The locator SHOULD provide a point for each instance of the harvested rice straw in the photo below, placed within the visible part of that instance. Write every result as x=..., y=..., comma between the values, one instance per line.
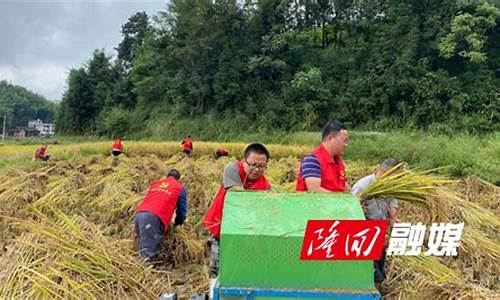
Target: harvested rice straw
x=66, y=257
x=406, y=185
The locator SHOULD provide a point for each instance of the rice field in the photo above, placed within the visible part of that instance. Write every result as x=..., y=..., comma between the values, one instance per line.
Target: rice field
x=66, y=227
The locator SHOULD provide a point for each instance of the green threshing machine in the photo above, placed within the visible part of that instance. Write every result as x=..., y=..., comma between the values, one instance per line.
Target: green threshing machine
x=261, y=242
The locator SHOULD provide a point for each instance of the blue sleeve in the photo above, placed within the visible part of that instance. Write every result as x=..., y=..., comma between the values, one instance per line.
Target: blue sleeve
x=181, y=208
x=310, y=167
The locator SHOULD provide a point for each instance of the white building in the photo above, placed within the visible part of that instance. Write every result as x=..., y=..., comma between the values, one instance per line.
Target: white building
x=45, y=129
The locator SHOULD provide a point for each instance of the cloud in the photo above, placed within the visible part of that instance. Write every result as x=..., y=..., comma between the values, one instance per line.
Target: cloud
x=45, y=78
x=42, y=40
x=7, y=73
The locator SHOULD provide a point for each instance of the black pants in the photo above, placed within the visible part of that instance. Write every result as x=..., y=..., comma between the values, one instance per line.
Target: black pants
x=116, y=153
x=379, y=268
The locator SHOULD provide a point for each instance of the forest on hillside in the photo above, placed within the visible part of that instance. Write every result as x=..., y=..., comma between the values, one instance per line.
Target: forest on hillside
x=293, y=65
x=21, y=105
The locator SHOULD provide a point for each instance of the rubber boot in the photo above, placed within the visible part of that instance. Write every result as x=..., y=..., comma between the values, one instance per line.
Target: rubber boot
x=211, y=286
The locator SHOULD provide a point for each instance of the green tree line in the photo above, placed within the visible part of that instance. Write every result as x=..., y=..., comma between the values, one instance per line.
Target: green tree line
x=293, y=65
x=20, y=106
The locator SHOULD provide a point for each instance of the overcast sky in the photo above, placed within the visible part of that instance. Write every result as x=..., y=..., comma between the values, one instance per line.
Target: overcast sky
x=41, y=40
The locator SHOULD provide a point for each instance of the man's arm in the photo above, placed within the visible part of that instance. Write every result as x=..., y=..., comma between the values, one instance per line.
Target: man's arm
x=357, y=189
x=311, y=174
x=393, y=216
x=181, y=211
x=235, y=188
x=393, y=211
x=313, y=184
x=362, y=184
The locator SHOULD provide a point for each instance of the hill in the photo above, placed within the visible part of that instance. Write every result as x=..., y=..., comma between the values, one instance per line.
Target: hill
x=22, y=105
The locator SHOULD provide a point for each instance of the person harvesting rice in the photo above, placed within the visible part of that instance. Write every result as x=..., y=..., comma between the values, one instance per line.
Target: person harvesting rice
x=240, y=175
x=153, y=215
x=117, y=147
x=40, y=153
x=379, y=208
x=187, y=146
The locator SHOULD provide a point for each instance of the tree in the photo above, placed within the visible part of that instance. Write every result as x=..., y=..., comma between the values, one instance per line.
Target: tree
x=21, y=106
x=467, y=37
x=134, y=32
x=77, y=110
x=294, y=64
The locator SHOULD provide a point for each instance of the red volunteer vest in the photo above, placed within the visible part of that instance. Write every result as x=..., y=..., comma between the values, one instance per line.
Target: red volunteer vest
x=117, y=145
x=161, y=199
x=222, y=151
x=39, y=153
x=188, y=145
x=332, y=174
x=213, y=217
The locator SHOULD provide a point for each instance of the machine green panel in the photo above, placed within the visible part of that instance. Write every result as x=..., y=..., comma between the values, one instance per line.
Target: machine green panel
x=261, y=240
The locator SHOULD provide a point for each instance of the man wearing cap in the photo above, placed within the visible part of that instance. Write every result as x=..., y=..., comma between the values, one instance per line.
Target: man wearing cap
x=240, y=175
x=323, y=170
x=153, y=215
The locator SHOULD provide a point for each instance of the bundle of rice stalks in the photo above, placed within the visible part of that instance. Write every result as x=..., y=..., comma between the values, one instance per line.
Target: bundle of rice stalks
x=192, y=245
x=181, y=248
x=478, y=258
x=110, y=193
x=479, y=191
x=426, y=276
x=472, y=213
x=62, y=192
x=473, y=273
x=406, y=185
x=17, y=190
x=21, y=188
x=70, y=258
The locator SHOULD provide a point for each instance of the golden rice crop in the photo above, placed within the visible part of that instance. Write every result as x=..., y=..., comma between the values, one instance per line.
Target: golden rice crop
x=417, y=277
x=66, y=208
x=160, y=149
x=406, y=185
x=70, y=258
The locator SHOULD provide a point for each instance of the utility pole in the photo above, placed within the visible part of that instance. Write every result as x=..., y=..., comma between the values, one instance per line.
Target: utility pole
x=3, y=130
